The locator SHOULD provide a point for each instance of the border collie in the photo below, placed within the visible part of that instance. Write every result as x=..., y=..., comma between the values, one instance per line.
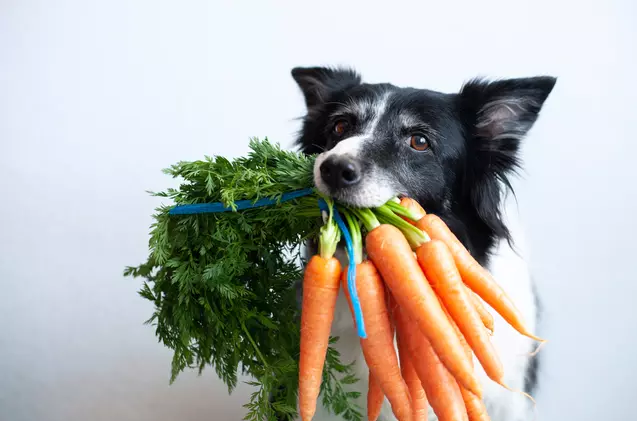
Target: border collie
x=454, y=153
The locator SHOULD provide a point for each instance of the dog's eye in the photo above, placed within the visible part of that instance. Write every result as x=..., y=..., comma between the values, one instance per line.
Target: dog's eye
x=418, y=142
x=341, y=127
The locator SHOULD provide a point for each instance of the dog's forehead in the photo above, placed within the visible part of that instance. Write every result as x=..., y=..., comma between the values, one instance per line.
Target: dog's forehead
x=364, y=104
x=391, y=105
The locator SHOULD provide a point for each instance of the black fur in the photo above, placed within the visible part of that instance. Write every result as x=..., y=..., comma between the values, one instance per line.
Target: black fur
x=474, y=139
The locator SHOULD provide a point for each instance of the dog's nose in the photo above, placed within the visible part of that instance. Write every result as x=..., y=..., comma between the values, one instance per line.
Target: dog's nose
x=339, y=172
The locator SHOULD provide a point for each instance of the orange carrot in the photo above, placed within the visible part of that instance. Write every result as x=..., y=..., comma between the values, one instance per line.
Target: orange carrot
x=477, y=278
x=320, y=291
x=418, y=213
x=378, y=347
x=416, y=392
x=441, y=388
x=414, y=207
x=375, y=395
x=440, y=268
x=476, y=410
x=465, y=345
x=390, y=251
x=487, y=318
x=375, y=398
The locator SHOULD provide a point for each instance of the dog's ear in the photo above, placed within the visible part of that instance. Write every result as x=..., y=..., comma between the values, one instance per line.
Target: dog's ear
x=498, y=115
x=504, y=109
x=317, y=83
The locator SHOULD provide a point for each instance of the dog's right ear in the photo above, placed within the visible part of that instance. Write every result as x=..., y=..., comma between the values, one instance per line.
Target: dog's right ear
x=317, y=83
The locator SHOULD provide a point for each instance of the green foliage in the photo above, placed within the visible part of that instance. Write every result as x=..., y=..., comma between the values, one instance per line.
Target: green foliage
x=222, y=283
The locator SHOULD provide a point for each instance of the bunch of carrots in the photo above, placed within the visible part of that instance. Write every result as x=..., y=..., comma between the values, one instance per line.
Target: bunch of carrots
x=419, y=285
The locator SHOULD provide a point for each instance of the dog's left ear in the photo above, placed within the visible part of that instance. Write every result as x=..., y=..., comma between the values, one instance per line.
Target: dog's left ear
x=317, y=83
x=505, y=109
x=498, y=115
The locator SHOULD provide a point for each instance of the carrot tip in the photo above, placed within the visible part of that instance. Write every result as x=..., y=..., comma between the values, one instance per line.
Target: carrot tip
x=307, y=416
x=526, y=395
x=536, y=338
x=539, y=347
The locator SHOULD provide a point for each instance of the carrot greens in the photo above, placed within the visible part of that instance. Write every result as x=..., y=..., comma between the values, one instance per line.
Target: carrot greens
x=222, y=284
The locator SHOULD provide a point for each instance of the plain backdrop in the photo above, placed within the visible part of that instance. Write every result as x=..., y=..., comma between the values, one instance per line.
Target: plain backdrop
x=96, y=97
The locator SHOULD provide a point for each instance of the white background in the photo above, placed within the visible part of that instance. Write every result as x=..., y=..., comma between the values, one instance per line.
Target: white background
x=97, y=97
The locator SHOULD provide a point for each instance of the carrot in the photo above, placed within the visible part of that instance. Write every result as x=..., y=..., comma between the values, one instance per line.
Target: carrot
x=390, y=251
x=416, y=392
x=487, y=318
x=320, y=291
x=414, y=207
x=440, y=268
x=477, y=278
x=375, y=395
x=378, y=347
x=465, y=345
x=441, y=388
x=476, y=410
x=411, y=204
x=375, y=398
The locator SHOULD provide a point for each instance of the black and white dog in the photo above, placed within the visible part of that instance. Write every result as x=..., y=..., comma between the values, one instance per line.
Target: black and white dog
x=454, y=154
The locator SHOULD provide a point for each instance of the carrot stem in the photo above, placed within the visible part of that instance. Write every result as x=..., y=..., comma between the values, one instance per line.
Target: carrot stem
x=329, y=235
x=357, y=238
x=367, y=217
x=415, y=236
x=254, y=345
x=399, y=209
x=351, y=272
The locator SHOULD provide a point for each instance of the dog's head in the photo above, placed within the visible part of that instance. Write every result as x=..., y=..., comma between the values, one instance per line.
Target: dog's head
x=378, y=141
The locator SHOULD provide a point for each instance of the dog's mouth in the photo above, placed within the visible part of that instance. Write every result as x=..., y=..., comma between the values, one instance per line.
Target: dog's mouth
x=369, y=194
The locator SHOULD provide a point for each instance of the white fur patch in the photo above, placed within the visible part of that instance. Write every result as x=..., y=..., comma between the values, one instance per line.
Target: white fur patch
x=378, y=110
x=374, y=189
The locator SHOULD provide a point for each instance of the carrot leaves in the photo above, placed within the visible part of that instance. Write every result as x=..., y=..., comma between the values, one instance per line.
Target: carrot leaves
x=222, y=284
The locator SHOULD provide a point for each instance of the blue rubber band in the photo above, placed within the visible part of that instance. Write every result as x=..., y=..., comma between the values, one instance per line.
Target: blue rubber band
x=351, y=270
x=240, y=204
x=218, y=207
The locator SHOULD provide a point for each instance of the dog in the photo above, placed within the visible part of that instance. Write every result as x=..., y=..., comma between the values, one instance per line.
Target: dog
x=455, y=154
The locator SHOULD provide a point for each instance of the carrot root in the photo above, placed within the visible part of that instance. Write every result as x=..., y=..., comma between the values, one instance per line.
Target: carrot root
x=375, y=398
x=320, y=292
x=442, y=390
x=476, y=410
x=437, y=262
x=477, y=278
x=390, y=251
x=526, y=395
x=538, y=349
x=378, y=347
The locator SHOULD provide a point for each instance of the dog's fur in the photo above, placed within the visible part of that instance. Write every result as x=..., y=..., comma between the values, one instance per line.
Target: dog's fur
x=470, y=147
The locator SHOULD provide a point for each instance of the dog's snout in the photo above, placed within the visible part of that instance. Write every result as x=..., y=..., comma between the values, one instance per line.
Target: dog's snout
x=339, y=172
